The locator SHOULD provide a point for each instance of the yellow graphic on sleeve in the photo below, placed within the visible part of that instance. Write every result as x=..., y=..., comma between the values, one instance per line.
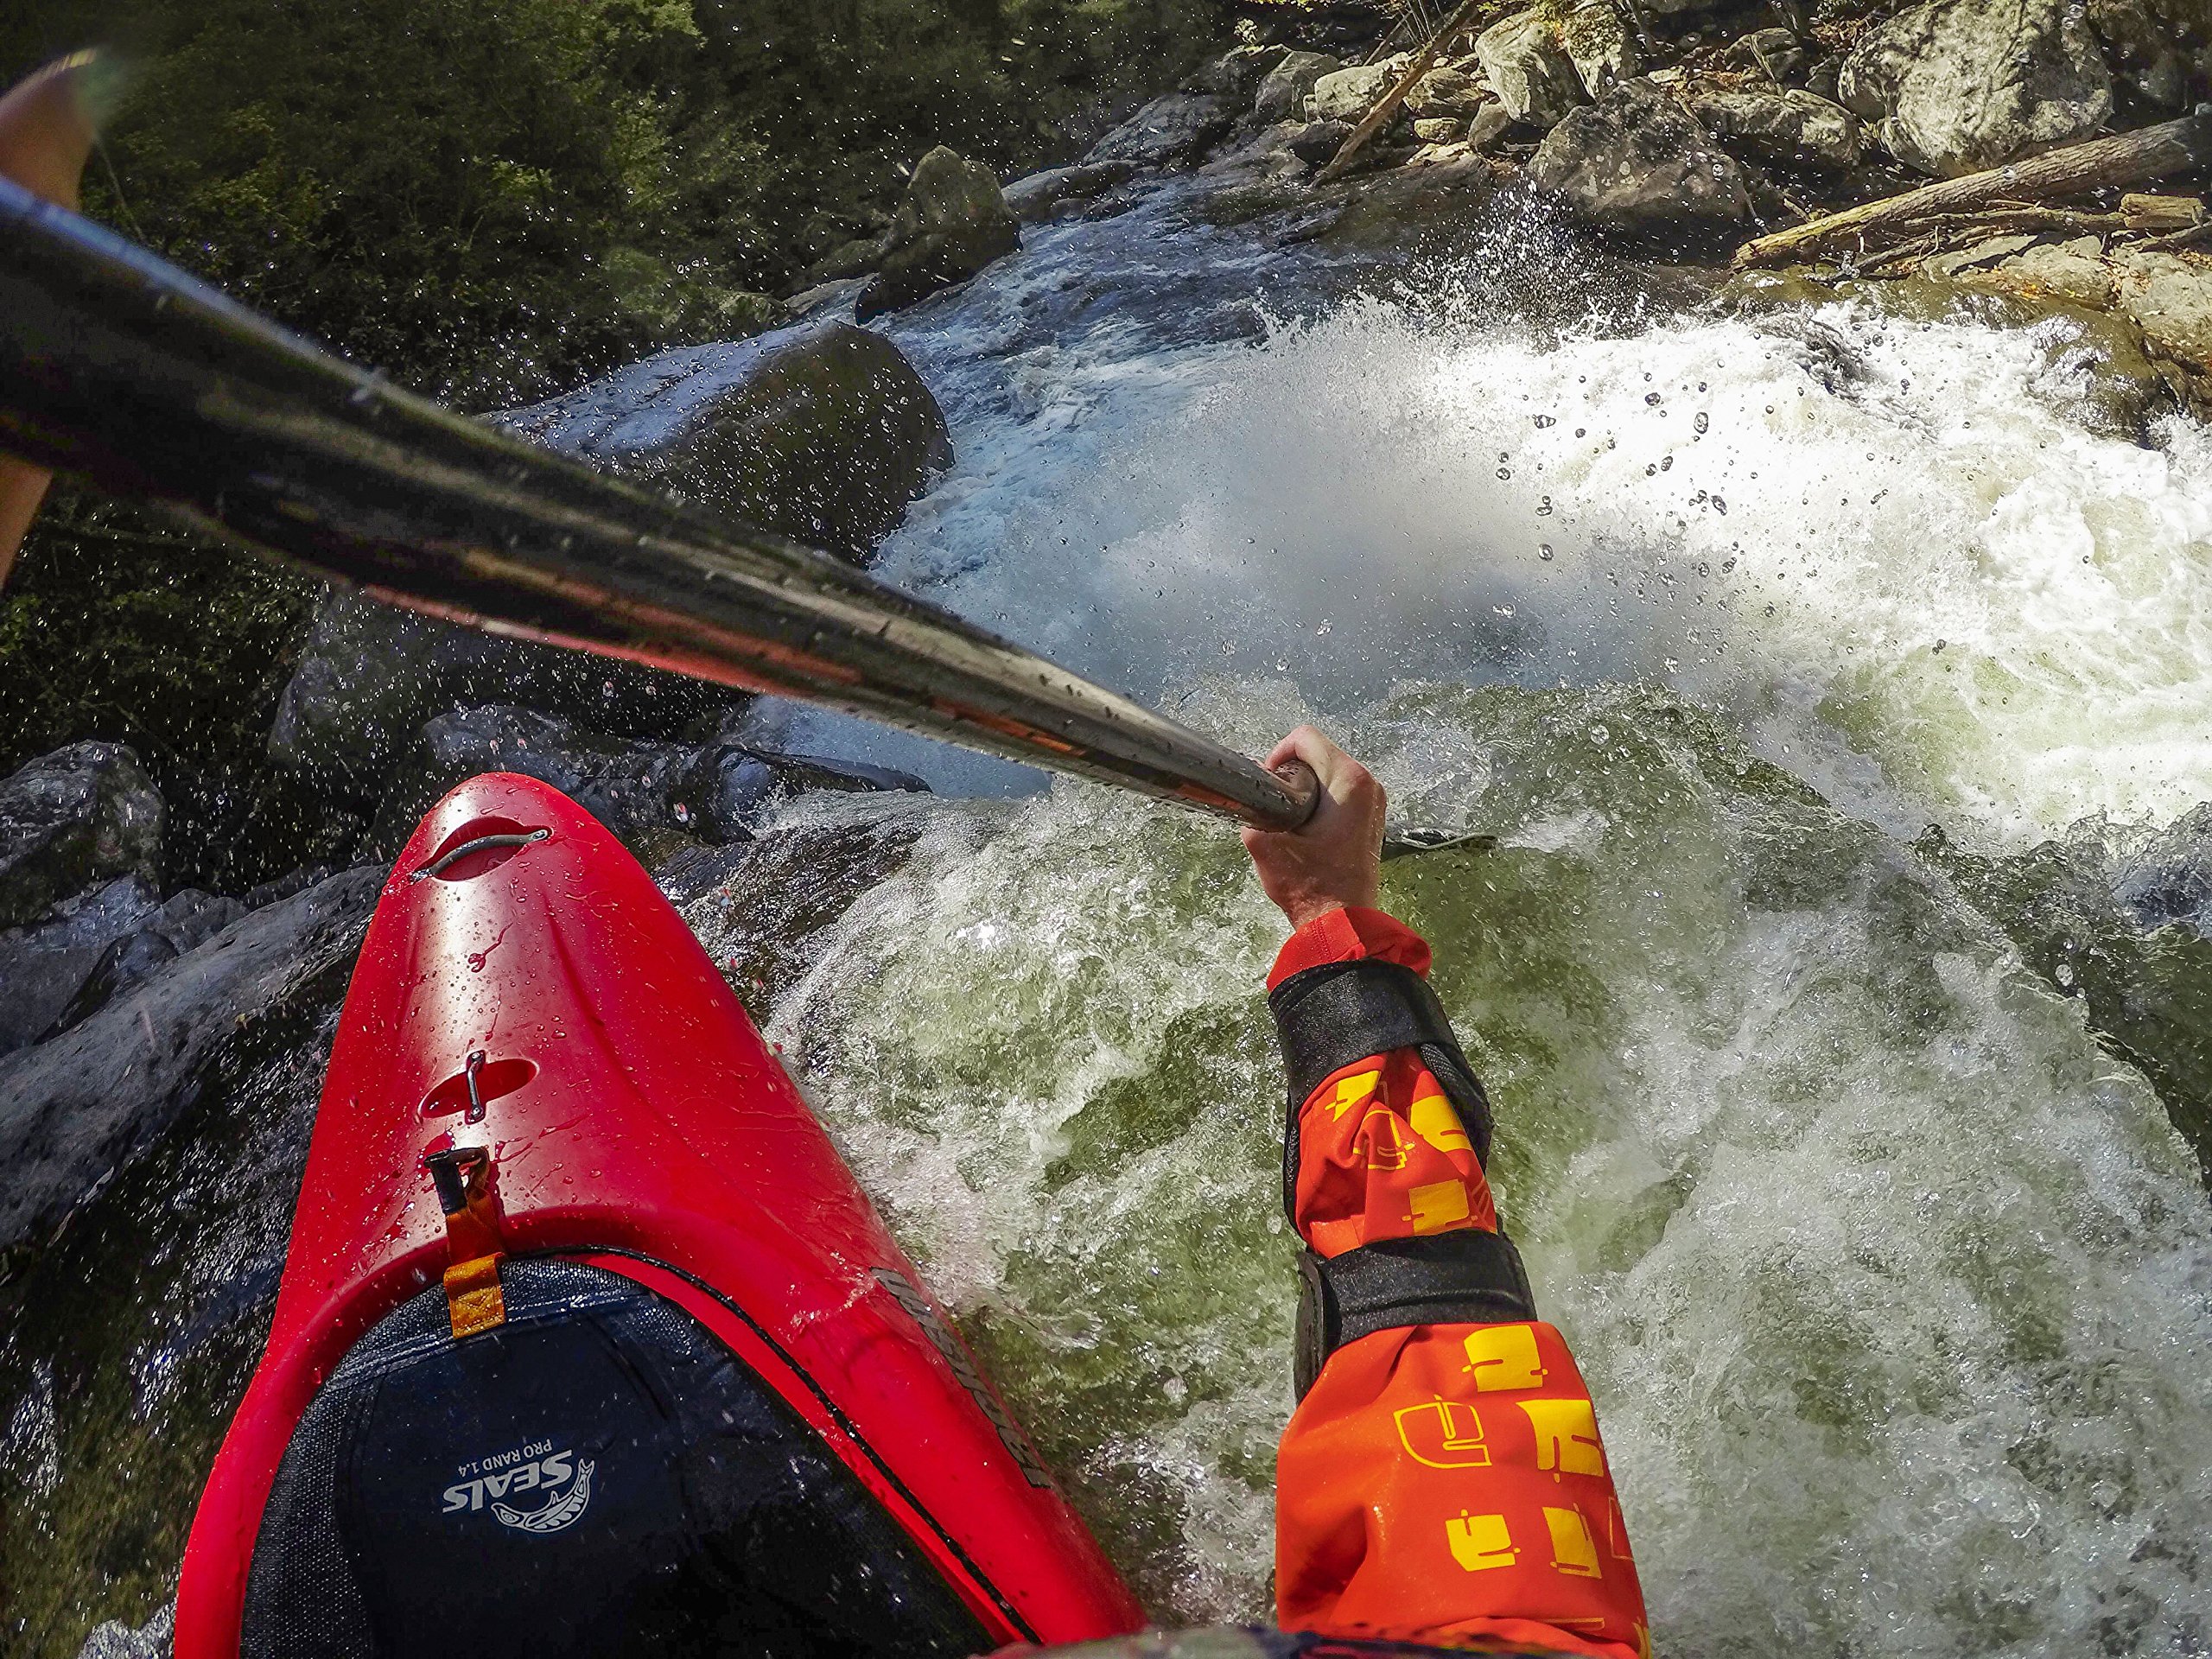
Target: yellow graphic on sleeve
x=1435, y=1122
x=1385, y=1151
x=1437, y=1205
x=1574, y=1552
x=1354, y=1090
x=1480, y=1542
x=1443, y=1435
x=1505, y=1356
x=1566, y=1437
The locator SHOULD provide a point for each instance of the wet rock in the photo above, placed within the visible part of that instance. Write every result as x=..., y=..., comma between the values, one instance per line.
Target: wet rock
x=2074, y=273
x=1349, y=94
x=1282, y=95
x=1034, y=197
x=728, y=789
x=71, y=819
x=2145, y=43
x=43, y=966
x=822, y=432
x=1597, y=42
x=1776, y=52
x=2170, y=299
x=654, y=796
x=1438, y=130
x=623, y=785
x=953, y=221
x=1524, y=61
x=1237, y=72
x=370, y=675
x=1787, y=125
x=182, y=923
x=1957, y=85
x=1635, y=161
x=73, y=1109
x=1487, y=127
x=113, y=1639
x=1172, y=130
x=1445, y=92
x=1316, y=141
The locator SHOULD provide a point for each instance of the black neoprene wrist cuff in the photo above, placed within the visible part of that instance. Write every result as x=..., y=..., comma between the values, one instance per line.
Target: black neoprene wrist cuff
x=1463, y=1277
x=1341, y=1012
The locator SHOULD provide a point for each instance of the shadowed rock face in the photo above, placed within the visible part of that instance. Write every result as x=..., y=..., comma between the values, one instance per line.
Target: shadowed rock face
x=72, y=819
x=74, y=1107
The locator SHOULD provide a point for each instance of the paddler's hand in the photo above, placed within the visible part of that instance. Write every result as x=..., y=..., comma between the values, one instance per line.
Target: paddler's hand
x=1335, y=861
x=47, y=125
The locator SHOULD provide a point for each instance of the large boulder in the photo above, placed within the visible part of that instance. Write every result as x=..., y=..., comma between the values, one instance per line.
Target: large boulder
x=71, y=820
x=42, y=967
x=1958, y=86
x=1349, y=94
x=2147, y=42
x=1597, y=43
x=1043, y=195
x=1524, y=59
x=1445, y=92
x=1635, y=161
x=952, y=222
x=1174, y=129
x=1283, y=94
x=2170, y=299
x=822, y=432
x=75, y=1108
x=1237, y=72
x=1793, y=125
x=655, y=797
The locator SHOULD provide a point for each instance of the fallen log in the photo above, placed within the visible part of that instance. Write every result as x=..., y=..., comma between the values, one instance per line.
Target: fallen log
x=2124, y=158
x=1379, y=117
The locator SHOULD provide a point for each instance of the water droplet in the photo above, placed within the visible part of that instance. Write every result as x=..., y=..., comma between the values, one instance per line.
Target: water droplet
x=1704, y=422
x=1545, y=553
x=2064, y=974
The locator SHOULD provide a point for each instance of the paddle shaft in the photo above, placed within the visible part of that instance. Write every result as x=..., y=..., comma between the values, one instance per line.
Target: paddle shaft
x=118, y=368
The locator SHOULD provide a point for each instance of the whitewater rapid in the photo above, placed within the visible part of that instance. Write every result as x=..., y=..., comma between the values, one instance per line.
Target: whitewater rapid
x=1895, y=1290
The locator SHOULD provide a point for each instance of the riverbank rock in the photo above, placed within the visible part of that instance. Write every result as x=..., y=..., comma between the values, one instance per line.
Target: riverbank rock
x=2153, y=45
x=1597, y=43
x=72, y=819
x=1446, y=93
x=1348, y=94
x=43, y=966
x=1958, y=86
x=1172, y=130
x=370, y=675
x=952, y=222
x=655, y=797
x=75, y=1108
x=1525, y=62
x=1635, y=161
x=1237, y=72
x=1039, y=196
x=2170, y=299
x=1282, y=95
x=822, y=431
x=1787, y=126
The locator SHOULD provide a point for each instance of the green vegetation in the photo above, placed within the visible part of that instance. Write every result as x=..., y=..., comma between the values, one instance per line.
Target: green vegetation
x=493, y=201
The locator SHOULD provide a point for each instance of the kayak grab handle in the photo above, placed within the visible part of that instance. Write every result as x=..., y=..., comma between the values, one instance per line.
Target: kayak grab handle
x=119, y=368
x=452, y=857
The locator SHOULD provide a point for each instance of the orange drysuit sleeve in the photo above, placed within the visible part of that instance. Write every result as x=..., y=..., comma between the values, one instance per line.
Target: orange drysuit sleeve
x=1442, y=1480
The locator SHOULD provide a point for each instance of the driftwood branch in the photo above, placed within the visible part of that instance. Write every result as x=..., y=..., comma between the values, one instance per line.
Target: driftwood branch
x=2123, y=159
x=1379, y=116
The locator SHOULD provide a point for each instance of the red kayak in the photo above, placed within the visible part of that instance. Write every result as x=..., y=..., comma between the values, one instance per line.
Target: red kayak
x=588, y=1341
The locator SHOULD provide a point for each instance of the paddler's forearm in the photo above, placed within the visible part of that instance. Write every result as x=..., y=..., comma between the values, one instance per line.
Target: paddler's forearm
x=1442, y=1478
x=46, y=125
